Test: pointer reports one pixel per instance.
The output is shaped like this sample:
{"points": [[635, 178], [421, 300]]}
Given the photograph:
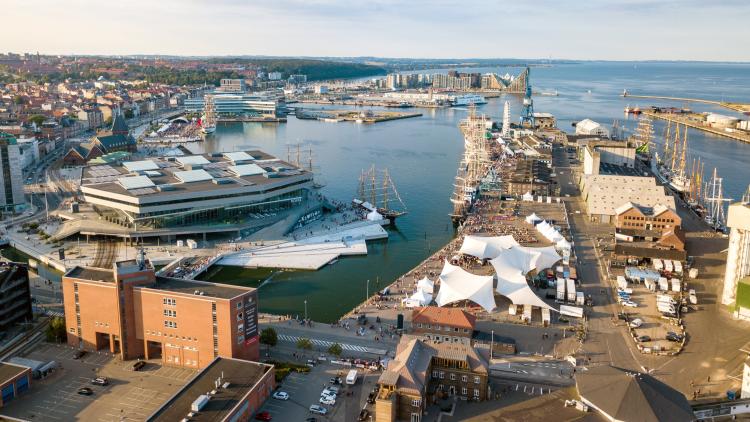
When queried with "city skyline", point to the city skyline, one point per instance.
{"points": [[606, 30]]}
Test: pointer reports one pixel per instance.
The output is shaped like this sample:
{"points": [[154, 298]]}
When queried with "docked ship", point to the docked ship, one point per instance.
{"points": [[642, 138], [208, 120], [468, 99], [714, 200], [670, 167], [473, 166], [377, 192], [632, 110]]}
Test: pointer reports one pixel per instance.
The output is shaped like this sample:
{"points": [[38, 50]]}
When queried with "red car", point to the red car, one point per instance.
{"points": [[263, 416]]}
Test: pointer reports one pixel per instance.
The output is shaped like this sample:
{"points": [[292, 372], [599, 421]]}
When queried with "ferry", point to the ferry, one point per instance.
{"points": [[467, 99]]}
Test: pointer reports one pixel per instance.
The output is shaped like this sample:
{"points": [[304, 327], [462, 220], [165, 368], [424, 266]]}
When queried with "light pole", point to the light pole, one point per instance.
{"points": [[367, 292], [305, 308], [492, 344]]}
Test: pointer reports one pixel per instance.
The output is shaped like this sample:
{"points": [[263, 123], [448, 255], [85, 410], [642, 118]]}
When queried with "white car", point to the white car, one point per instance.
{"points": [[281, 395], [629, 304], [332, 388], [636, 323], [327, 400], [314, 408]]}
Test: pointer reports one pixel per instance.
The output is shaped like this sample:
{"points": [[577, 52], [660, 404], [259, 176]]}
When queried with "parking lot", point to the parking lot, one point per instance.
{"points": [[130, 396], [304, 390]]}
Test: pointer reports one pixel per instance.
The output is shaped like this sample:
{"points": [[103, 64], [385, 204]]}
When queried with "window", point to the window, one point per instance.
{"points": [[72, 330], [419, 325], [453, 377], [416, 402], [464, 391], [477, 380], [455, 329], [169, 301], [240, 327], [170, 313], [240, 339], [442, 374], [170, 324], [429, 325], [239, 305], [466, 330], [464, 378], [239, 316], [476, 393], [434, 374]]}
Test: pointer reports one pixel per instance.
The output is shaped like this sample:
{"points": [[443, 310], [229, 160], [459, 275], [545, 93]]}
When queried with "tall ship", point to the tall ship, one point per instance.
{"points": [[208, 120], [671, 166], [715, 203], [642, 138], [473, 166], [304, 159], [377, 192]]}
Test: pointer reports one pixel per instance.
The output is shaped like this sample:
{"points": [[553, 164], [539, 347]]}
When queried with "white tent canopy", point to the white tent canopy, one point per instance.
{"points": [[427, 285], [533, 218], [511, 267], [374, 216], [527, 196], [486, 247], [421, 297], [457, 284]]}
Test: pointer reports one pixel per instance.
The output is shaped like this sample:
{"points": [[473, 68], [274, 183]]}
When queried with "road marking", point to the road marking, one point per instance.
{"points": [[325, 343]]}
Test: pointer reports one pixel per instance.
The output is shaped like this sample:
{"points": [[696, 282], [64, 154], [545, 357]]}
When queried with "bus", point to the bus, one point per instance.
{"points": [[351, 378]]}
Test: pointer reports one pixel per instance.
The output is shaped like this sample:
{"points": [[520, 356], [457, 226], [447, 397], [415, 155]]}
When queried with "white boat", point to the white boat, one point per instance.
{"points": [[208, 129]]}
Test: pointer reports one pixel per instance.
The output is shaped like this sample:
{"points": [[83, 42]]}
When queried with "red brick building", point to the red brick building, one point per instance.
{"points": [[134, 313], [450, 325]]}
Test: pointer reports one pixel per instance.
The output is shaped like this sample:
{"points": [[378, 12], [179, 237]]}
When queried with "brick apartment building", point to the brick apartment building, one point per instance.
{"points": [[649, 232], [450, 325], [134, 313], [422, 370]]}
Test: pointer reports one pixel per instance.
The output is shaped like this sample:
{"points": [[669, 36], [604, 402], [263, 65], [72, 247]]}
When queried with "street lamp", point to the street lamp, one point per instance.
{"points": [[367, 292], [305, 308], [492, 344]]}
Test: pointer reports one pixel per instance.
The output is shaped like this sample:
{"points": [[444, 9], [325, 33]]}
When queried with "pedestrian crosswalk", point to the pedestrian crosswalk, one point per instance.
{"points": [[326, 344]]}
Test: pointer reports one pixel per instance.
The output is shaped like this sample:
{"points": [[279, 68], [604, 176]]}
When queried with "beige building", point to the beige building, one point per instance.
{"points": [[605, 193]]}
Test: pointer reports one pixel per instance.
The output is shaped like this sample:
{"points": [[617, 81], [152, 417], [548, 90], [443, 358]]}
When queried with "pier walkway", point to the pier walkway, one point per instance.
{"points": [[741, 107], [677, 118]]}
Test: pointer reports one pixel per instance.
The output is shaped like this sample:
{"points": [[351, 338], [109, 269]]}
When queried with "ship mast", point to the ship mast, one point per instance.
{"points": [[676, 141], [386, 181], [683, 152], [667, 136]]}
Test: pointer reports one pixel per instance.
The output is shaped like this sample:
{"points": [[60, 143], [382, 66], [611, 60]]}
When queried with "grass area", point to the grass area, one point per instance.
{"points": [[285, 368], [251, 277], [13, 254]]}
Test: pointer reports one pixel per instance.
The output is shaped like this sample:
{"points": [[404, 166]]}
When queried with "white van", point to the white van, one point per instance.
{"points": [[351, 377]]}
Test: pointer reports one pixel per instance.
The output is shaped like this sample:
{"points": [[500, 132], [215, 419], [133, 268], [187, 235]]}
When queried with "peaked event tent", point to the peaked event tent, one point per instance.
{"points": [[486, 247], [422, 297], [457, 284], [511, 267], [548, 256], [427, 285]]}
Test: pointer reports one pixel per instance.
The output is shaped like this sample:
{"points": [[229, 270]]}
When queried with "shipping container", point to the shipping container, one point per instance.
{"points": [[571, 290]]}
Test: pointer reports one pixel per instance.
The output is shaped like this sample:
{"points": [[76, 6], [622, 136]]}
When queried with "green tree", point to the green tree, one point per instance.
{"points": [[269, 337], [18, 100], [304, 344], [335, 349], [56, 329], [38, 119]]}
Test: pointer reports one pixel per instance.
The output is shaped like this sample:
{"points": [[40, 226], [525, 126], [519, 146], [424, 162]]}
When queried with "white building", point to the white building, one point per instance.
{"points": [[738, 255], [590, 127], [274, 76]]}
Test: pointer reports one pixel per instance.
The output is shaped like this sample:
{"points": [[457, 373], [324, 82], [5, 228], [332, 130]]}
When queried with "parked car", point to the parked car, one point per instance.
{"points": [[335, 381], [310, 363], [85, 391], [333, 389], [281, 395], [79, 354], [137, 366], [322, 358], [371, 398], [314, 408], [629, 304], [263, 416], [672, 336], [636, 323], [100, 381], [328, 400], [643, 339], [363, 414]]}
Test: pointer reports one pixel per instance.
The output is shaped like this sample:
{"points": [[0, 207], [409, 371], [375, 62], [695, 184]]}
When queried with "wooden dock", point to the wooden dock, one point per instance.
{"points": [[684, 119], [741, 107]]}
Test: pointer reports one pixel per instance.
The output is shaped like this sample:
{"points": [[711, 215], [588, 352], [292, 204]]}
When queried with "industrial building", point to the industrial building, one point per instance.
{"points": [[15, 295], [12, 198], [737, 276], [14, 381], [225, 390], [598, 152], [195, 189], [130, 311], [605, 193], [420, 370], [648, 232]]}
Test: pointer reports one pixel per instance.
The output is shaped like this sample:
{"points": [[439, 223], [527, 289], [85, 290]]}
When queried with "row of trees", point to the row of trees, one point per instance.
{"points": [[270, 338]]}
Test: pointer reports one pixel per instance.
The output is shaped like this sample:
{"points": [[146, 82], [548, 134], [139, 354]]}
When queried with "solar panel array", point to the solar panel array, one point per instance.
{"points": [[193, 160], [135, 182], [193, 176], [238, 157], [143, 165], [246, 170]]}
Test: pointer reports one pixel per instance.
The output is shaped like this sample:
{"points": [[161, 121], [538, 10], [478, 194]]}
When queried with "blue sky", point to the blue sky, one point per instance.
{"points": [[562, 29]]}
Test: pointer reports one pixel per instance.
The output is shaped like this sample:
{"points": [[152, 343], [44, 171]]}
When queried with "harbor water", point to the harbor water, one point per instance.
{"points": [[422, 154]]}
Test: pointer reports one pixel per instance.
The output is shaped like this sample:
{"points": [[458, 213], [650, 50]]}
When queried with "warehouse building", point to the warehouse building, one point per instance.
{"points": [[14, 381], [605, 193]]}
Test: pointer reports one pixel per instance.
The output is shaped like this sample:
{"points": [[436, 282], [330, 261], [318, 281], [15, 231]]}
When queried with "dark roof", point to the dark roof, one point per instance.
{"points": [[632, 396], [91, 273], [9, 371], [189, 287], [119, 126], [115, 140], [241, 375], [648, 250]]}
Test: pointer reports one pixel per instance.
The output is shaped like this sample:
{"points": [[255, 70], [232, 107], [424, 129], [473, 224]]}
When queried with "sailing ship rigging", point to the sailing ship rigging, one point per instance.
{"points": [[304, 160], [671, 168], [377, 192], [208, 120], [715, 208], [473, 166]]}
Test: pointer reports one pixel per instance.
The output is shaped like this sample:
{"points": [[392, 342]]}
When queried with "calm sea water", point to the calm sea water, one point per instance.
{"points": [[422, 153]]}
